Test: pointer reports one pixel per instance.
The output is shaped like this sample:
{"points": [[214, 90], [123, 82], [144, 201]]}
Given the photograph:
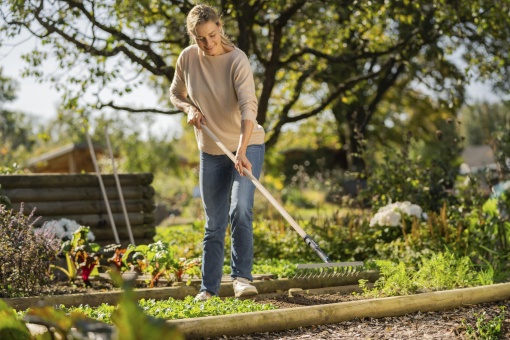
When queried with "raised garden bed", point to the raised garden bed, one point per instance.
{"points": [[312, 306], [110, 295]]}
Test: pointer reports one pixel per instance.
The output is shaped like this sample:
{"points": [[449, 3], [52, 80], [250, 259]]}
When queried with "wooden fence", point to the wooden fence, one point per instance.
{"points": [[78, 197]]}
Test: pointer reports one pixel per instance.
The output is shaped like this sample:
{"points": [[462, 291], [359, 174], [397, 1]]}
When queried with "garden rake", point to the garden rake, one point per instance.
{"points": [[326, 269]]}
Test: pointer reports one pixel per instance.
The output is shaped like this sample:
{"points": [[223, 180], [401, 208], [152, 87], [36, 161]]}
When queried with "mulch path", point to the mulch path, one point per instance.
{"points": [[449, 324]]}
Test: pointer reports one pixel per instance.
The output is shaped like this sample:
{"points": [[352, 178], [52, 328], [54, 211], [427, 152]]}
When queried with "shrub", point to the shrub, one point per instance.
{"points": [[26, 256], [421, 171]]}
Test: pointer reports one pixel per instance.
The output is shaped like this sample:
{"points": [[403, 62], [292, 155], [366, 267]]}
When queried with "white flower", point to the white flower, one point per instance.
{"points": [[391, 214], [65, 228], [55, 227]]}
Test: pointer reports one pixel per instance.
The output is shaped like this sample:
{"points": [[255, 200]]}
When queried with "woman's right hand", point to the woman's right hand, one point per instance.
{"points": [[195, 117]]}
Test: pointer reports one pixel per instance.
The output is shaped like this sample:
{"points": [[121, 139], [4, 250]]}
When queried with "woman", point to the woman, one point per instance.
{"points": [[213, 84]]}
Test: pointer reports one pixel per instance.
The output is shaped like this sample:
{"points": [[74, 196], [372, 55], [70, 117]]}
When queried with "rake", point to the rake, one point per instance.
{"points": [[326, 269]]}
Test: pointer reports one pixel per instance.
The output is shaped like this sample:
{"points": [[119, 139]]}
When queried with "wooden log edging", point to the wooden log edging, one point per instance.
{"points": [[180, 292], [96, 299], [292, 318]]}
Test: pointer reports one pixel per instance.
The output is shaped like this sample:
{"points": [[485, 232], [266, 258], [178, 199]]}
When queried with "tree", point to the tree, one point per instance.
{"points": [[481, 120], [137, 147], [309, 56], [16, 129]]}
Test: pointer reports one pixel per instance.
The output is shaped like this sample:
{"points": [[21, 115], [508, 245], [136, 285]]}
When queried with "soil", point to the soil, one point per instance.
{"points": [[448, 324]]}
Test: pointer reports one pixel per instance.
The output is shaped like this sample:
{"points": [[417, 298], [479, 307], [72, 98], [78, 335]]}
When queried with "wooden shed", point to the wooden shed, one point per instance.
{"points": [[72, 159]]}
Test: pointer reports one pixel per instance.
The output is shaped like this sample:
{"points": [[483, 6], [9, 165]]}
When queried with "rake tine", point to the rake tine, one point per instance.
{"points": [[328, 269]]}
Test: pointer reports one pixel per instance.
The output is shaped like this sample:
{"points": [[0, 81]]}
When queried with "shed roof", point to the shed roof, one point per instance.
{"points": [[71, 158]]}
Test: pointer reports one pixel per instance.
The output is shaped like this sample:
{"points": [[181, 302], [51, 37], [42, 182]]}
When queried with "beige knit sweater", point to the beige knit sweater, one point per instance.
{"points": [[222, 88]]}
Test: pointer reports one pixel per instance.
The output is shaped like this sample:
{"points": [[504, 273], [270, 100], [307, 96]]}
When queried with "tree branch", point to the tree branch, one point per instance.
{"points": [[133, 110]]}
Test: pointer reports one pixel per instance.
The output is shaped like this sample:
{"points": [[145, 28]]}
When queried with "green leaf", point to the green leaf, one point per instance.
{"points": [[11, 327], [133, 324]]}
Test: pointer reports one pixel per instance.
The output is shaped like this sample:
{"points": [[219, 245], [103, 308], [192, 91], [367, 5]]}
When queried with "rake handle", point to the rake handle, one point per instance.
{"points": [[274, 202]]}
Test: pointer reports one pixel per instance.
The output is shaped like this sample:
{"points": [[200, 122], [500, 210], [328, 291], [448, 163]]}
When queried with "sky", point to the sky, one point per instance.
{"points": [[41, 100]]}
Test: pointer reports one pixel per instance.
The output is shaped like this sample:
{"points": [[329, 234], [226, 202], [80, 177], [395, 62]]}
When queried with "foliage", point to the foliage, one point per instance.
{"points": [[486, 328], [11, 327], [130, 137], [81, 255], [420, 173], [501, 145], [481, 120], [280, 268], [441, 271], [445, 271], [128, 318], [394, 280], [16, 129], [308, 56], [183, 240], [158, 260], [26, 256], [133, 323], [17, 137], [172, 309]]}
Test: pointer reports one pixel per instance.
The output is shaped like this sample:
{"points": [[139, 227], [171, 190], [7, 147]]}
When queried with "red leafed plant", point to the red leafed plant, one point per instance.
{"points": [[81, 255]]}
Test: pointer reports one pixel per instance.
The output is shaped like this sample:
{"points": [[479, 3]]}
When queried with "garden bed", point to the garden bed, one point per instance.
{"points": [[326, 312], [338, 313], [103, 291]]}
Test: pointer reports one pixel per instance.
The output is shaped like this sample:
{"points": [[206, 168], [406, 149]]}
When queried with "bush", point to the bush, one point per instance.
{"points": [[420, 171], [26, 255]]}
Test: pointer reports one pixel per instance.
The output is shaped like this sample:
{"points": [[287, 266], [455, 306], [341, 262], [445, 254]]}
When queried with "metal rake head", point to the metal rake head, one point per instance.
{"points": [[325, 270]]}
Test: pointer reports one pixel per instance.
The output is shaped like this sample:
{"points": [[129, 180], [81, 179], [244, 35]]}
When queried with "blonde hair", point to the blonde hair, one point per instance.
{"points": [[201, 14]]}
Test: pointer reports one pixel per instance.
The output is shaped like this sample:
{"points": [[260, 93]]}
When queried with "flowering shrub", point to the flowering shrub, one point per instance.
{"points": [[26, 255], [64, 229], [391, 215]]}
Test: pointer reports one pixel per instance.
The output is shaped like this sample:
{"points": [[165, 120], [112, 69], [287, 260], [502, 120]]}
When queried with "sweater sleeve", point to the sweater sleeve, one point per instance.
{"points": [[178, 88], [245, 90]]}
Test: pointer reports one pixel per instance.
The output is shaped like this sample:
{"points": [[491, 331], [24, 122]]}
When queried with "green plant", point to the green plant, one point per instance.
{"points": [[395, 279], [26, 254], [129, 320], [183, 240], [158, 260], [81, 256], [486, 328], [172, 309], [439, 272], [11, 327], [445, 271], [423, 172]]}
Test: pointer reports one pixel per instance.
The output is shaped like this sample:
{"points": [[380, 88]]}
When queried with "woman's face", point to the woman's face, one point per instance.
{"points": [[208, 38]]}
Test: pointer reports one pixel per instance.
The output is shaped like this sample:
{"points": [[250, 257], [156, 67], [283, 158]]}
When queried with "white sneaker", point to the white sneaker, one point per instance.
{"points": [[242, 287], [203, 296]]}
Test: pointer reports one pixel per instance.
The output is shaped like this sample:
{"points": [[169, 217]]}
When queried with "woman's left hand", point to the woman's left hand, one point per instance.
{"points": [[242, 162]]}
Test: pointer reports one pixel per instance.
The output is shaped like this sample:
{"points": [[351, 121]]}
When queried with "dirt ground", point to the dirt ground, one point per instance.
{"points": [[449, 324]]}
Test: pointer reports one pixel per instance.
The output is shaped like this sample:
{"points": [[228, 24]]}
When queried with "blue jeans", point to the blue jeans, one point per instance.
{"points": [[227, 197]]}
